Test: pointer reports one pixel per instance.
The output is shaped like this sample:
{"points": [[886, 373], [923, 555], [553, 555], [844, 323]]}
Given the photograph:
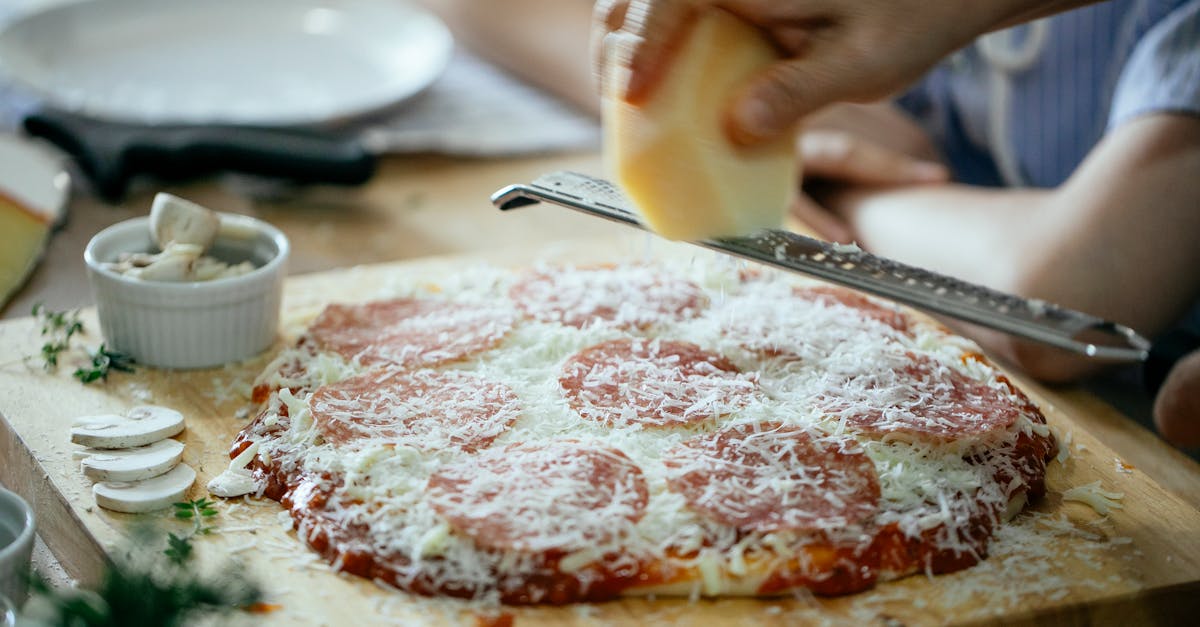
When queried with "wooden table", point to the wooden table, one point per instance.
{"points": [[416, 206], [423, 206]]}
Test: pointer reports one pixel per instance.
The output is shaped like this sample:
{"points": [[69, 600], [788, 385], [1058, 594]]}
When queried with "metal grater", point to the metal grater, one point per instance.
{"points": [[847, 265]]}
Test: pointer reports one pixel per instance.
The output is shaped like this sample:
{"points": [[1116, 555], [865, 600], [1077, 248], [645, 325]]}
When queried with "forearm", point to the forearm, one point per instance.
{"points": [[953, 229], [1023, 11], [1118, 240], [544, 42], [995, 238]]}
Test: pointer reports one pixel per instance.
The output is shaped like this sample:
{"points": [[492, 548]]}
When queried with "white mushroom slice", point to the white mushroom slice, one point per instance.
{"points": [[135, 497], [132, 464], [142, 425], [173, 219], [176, 263]]}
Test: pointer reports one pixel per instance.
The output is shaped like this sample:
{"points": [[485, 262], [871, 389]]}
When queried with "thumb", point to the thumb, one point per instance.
{"points": [[775, 99]]}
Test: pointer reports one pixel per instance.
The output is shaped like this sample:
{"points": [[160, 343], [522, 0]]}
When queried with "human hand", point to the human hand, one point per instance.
{"points": [[832, 50], [1177, 406], [836, 162]]}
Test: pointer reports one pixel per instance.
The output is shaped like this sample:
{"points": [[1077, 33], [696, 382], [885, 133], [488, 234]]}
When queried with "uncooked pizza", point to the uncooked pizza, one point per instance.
{"points": [[562, 434]]}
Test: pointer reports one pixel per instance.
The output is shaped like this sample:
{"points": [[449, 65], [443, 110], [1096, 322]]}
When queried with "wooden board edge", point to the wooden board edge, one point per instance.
{"points": [[80, 554], [1177, 604]]}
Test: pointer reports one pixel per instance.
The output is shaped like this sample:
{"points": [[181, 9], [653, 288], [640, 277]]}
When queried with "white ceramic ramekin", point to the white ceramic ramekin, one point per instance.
{"points": [[198, 324], [16, 546]]}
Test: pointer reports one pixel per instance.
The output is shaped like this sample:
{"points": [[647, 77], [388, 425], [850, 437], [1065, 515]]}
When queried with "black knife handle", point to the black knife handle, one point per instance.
{"points": [[112, 153]]}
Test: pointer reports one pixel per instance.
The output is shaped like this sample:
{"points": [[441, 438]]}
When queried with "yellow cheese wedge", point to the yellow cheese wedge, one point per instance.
{"points": [[671, 156], [24, 233]]}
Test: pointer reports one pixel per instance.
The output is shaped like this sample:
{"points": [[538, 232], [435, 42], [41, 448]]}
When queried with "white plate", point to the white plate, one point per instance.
{"points": [[263, 62]]}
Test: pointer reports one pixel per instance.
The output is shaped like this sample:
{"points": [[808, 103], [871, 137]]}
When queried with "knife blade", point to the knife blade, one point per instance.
{"points": [[112, 153]]}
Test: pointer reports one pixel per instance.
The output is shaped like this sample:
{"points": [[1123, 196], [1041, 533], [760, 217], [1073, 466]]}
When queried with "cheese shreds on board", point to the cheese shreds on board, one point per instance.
{"points": [[1095, 497], [479, 474]]}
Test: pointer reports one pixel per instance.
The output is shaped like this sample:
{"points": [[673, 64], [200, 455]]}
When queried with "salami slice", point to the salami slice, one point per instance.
{"points": [[920, 398], [653, 383], [559, 495], [411, 332], [426, 409], [627, 297], [773, 477]]}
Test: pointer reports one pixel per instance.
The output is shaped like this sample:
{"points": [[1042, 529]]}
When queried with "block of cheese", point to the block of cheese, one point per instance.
{"points": [[24, 232], [670, 154]]}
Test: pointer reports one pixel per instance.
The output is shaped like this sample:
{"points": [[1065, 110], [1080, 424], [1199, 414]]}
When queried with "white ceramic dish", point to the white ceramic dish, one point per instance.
{"points": [[262, 62], [16, 546], [196, 324]]}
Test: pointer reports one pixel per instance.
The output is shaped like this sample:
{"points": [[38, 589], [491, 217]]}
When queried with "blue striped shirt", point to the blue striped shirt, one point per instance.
{"points": [[1096, 68]]}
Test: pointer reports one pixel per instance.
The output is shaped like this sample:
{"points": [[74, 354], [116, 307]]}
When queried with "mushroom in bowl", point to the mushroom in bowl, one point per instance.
{"points": [[188, 288]]}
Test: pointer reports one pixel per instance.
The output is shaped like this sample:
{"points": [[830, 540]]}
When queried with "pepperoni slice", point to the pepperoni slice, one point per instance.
{"points": [[653, 383], [924, 400], [411, 332], [560, 495], [773, 477], [425, 409], [859, 304], [627, 297]]}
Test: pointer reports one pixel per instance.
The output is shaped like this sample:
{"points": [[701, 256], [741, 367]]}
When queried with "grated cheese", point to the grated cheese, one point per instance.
{"points": [[1095, 497], [798, 350]]}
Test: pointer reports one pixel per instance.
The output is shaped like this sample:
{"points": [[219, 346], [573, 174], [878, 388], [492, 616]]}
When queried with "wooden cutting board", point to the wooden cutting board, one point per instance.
{"points": [[1061, 562]]}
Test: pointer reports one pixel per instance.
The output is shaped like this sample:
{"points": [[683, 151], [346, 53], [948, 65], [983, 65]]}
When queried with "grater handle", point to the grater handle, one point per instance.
{"points": [[850, 266]]}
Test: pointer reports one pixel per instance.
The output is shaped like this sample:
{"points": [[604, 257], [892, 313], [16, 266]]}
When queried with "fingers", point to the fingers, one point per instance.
{"points": [[639, 37], [825, 224], [607, 17], [844, 157], [1177, 407], [772, 102]]}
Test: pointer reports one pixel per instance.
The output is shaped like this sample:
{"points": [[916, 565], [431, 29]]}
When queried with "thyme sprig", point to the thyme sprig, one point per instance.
{"points": [[103, 362], [59, 328], [199, 511], [136, 591]]}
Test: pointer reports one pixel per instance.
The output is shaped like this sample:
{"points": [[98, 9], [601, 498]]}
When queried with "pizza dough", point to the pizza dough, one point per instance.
{"points": [[562, 434]]}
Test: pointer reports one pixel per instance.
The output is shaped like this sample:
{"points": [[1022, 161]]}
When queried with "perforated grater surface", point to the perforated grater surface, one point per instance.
{"points": [[848, 265]]}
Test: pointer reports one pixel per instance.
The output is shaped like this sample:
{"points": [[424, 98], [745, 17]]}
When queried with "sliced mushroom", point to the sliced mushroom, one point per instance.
{"points": [[135, 497], [142, 425], [177, 263], [132, 464], [173, 219]]}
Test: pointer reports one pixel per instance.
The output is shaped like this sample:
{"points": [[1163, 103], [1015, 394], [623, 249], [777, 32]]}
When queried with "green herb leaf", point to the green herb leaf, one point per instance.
{"points": [[58, 327], [197, 511], [104, 361], [179, 548]]}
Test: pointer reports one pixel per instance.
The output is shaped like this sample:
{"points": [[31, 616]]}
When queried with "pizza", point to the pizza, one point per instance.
{"points": [[561, 434]]}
